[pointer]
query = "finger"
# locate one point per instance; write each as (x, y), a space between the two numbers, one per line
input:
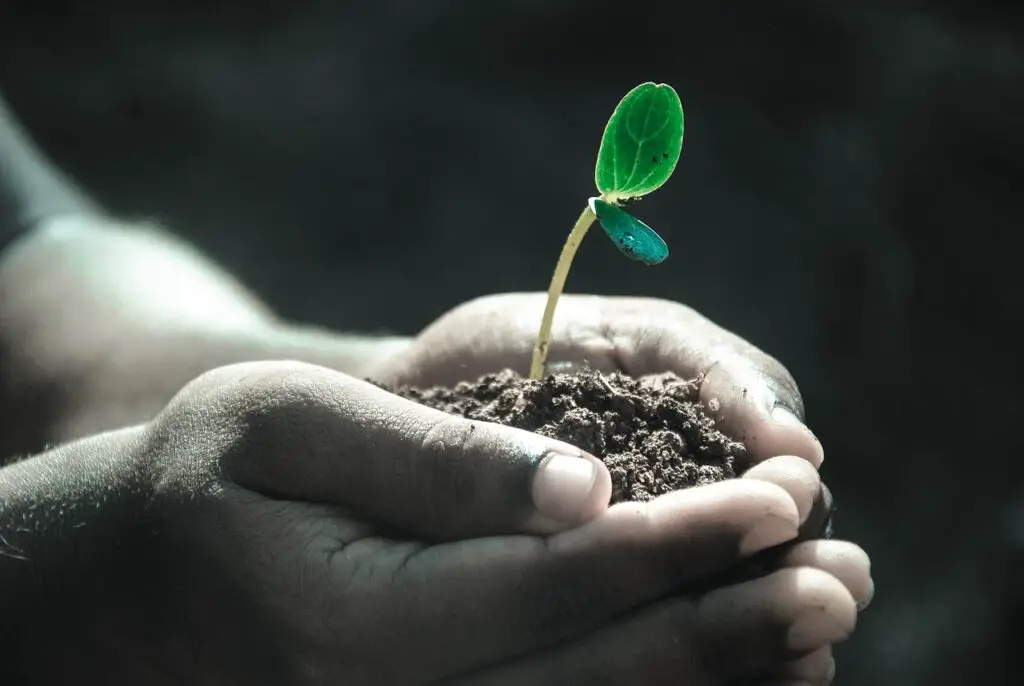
(844, 560)
(817, 668)
(581, 579)
(732, 633)
(308, 433)
(819, 522)
(751, 395)
(747, 406)
(803, 482)
(794, 475)
(500, 332)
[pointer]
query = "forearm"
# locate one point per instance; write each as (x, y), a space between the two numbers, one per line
(103, 323)
(63, 510)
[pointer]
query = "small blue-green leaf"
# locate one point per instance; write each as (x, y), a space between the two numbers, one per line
(641, 143)
(635, 239)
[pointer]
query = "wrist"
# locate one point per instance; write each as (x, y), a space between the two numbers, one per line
(69, 519)
(358, 355)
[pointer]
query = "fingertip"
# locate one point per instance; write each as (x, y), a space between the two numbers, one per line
(754, 409)
(568, 490)
(770, 531)
(846, 561)
(792, 595)
(830, 611)
(783, 616)
(762, 512)
(795, 475)
(816, 667)
(602, 493)
(777, 500)
(789, 430)
(778, 523)
(738, 496)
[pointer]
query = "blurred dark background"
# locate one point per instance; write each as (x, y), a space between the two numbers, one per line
(848, 199)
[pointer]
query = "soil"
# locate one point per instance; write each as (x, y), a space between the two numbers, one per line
(651, 432)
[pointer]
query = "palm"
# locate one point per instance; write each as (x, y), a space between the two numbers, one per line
(450, 609)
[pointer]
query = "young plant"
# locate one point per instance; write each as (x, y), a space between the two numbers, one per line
(639, 151)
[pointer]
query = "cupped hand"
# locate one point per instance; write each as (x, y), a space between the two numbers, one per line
(751, 394)
(304, 527)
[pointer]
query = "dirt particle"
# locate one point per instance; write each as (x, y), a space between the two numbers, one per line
(652, 432)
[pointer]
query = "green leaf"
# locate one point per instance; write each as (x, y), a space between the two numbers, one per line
(631, 236)
(641, 143)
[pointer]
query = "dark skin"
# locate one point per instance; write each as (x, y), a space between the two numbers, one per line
(228, 503)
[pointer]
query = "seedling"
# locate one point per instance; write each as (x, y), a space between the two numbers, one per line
(639, 151)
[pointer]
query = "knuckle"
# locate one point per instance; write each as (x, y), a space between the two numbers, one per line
(445, 447)
(446, 434)
(267, 395)
(231, 411)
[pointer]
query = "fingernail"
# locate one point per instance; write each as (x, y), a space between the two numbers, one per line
(862, 605)
(830, 675)
(562, 486)
(772, 530)
(815, 630)
(783, 416)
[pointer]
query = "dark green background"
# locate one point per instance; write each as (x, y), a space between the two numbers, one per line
(848, 198)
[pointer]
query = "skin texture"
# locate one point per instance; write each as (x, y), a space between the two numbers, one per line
(289, 510)
(228, 503)
(239, 523)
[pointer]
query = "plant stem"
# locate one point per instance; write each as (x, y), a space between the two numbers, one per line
(540, 350)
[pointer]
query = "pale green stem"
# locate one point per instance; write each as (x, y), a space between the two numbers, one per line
(572, 243)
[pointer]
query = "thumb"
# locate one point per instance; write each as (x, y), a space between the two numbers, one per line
(758, 403)
(322, 436)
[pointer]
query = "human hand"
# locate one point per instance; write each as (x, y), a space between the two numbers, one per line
(756, 398)
(294, 525)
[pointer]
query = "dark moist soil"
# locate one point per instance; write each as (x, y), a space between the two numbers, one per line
(651, 432)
